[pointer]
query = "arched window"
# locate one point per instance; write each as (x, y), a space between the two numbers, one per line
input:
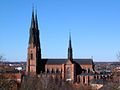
(94, 77)
(88, 80)
(85, 70)
(88, 70)
(31, 56)
(83, 79)
(47, 71)
(52, 71)
(97, 77)
(57, 71)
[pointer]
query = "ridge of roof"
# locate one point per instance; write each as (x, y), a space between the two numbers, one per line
(62, 61)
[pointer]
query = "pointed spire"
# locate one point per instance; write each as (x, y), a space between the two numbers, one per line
(32, 27)
(70, 49)
(36, 28)
(36, 21)
(33, 20)
(70, 45)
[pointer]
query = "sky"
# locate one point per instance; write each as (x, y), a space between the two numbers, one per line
(94, 27)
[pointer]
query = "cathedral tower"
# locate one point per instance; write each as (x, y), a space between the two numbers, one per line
(34, 50)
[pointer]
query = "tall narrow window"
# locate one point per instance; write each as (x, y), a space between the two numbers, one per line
(57, 71)
(88, 70)
(52, 71)
(47, 71)
(88, 80)
(31, 56)
(83, 79)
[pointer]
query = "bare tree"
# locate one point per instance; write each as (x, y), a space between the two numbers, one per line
(45, 83)
(7, 81)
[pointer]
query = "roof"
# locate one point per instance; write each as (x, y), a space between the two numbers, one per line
(83, 61)
(54, 61)
(62, 61)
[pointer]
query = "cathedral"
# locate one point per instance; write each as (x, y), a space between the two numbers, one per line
(69, 69)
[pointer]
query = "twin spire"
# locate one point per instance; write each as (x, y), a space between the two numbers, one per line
(34, 21)
(34, 35)
(34, 30)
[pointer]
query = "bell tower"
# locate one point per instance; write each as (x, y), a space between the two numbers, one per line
(34, 51)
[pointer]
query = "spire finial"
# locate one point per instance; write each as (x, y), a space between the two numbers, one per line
(33, 18)
(32, 28)
(69, 35)
(70, 45)
(32, 10)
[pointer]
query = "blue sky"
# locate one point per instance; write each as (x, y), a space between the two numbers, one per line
(94, 26)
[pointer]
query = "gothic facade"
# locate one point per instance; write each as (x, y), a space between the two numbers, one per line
(69, 69)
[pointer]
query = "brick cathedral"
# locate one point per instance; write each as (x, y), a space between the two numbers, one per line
(69, 69)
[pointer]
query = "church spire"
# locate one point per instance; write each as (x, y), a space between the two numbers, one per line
(70, 49)
(70, 45)
(37, 29)
(32, 29)
(34, 51)
(36, 21)
(33, 19)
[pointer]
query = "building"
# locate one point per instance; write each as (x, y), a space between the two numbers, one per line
(69, 69)
(10, 78)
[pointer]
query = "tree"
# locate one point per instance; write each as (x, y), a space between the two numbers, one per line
(45, 83)
(31, 83)
(7, 81)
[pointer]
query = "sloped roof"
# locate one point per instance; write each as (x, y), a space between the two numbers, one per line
(83, 61)
(63, 61)
(54, 61)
